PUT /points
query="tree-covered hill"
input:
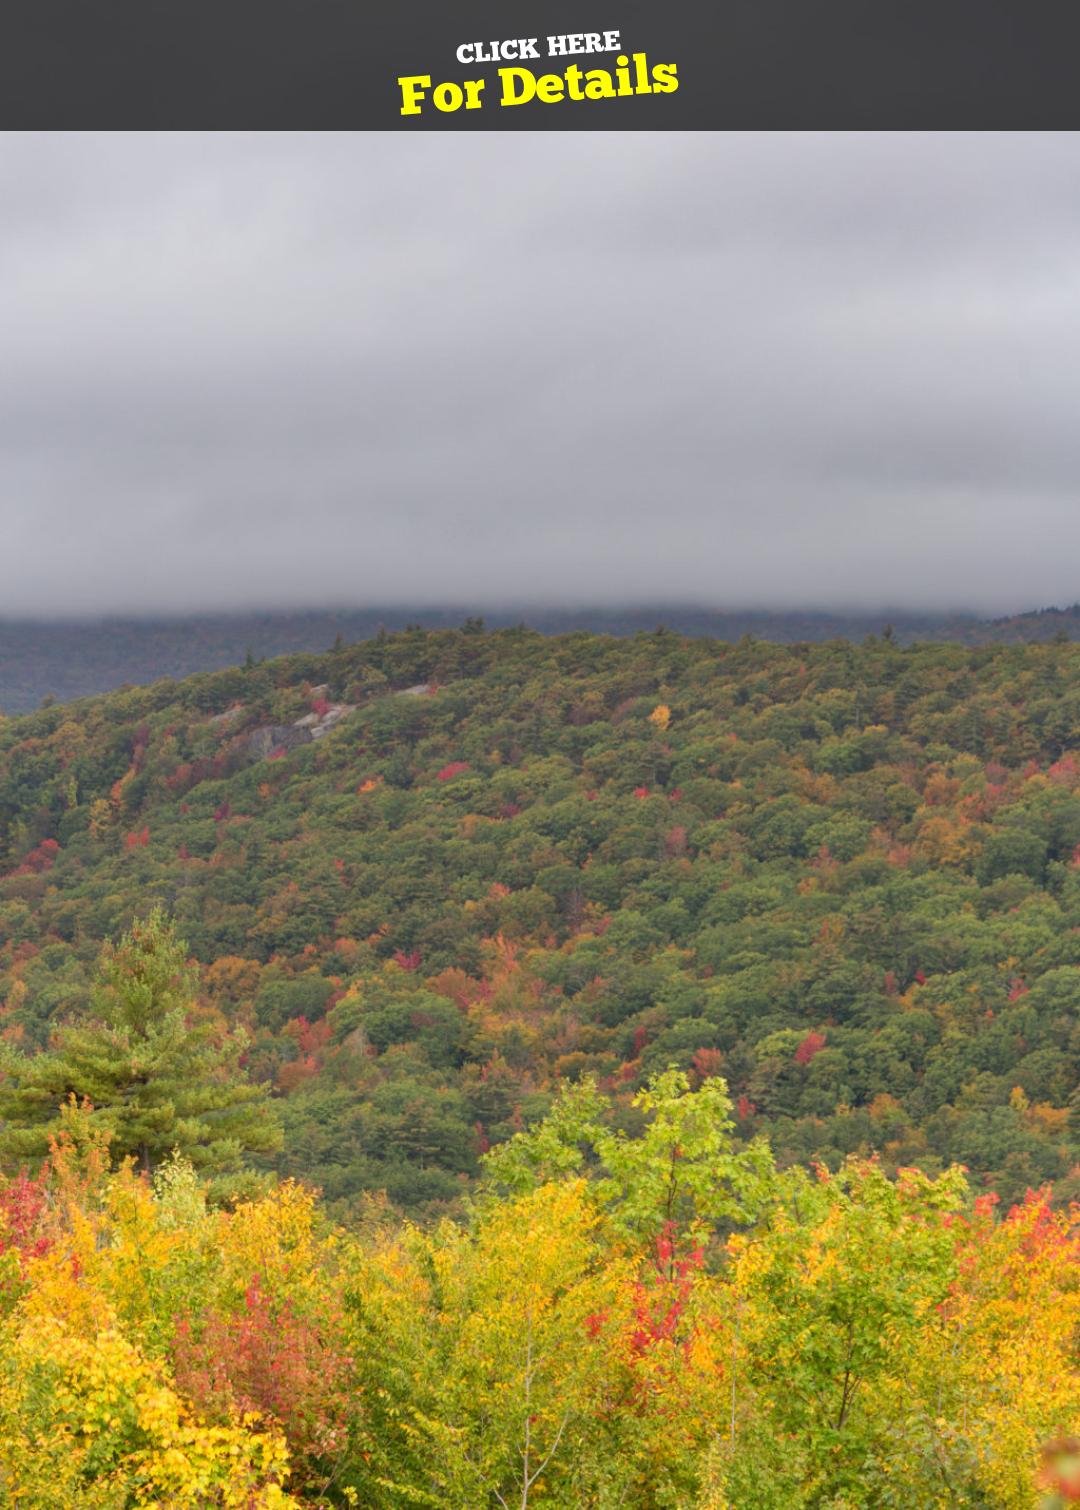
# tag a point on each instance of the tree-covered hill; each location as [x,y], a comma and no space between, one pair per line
[439,874]
[65,659]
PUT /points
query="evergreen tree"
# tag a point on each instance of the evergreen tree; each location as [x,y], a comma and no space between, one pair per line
[156,1080]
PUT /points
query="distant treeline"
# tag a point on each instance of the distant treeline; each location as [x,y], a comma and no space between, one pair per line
[66,659]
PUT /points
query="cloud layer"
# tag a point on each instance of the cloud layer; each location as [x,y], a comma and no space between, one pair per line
[300,370]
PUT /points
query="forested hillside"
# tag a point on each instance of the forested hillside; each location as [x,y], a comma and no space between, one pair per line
[632,1002]
[64,659]
[437,875]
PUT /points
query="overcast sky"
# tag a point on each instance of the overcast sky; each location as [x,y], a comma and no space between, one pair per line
[311,370]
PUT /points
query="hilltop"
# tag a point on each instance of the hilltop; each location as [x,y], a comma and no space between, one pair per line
[62,660]
[437,875]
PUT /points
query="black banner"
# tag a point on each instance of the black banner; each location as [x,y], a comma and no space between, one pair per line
[586,65]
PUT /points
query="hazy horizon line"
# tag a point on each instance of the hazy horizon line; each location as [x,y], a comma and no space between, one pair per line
[508,609]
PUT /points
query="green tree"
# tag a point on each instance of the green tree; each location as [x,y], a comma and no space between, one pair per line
[683,1170]
[156,1080]
[834,1295]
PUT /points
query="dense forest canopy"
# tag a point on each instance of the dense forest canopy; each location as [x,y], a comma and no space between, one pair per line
[660,1320]
[684,1036]
[436,875]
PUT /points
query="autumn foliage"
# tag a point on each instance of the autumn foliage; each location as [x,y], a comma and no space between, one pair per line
[661,1021]
[690,1326]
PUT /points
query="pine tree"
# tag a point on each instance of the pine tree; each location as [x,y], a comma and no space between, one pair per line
[156,1080]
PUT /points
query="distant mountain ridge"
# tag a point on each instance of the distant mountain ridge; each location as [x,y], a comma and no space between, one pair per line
[66,659]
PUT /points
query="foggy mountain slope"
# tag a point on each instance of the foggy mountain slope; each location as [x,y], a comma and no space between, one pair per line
[70,659]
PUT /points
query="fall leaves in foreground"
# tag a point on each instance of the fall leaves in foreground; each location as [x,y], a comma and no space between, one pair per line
[650,1317]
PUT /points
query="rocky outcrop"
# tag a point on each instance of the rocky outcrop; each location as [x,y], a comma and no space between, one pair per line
[271,737]
[321,723]
[261,743]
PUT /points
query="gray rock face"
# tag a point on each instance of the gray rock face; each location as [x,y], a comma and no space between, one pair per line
[263,742]
[332,716]
[228,717]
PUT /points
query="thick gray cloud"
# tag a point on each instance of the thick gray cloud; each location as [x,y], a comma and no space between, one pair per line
[288,370]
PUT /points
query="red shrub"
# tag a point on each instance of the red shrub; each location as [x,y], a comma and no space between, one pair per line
[41,858]
[268,1359]
[810,1047]
[22,1206]
[661,1300]
[1064,772]
[708,1062]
